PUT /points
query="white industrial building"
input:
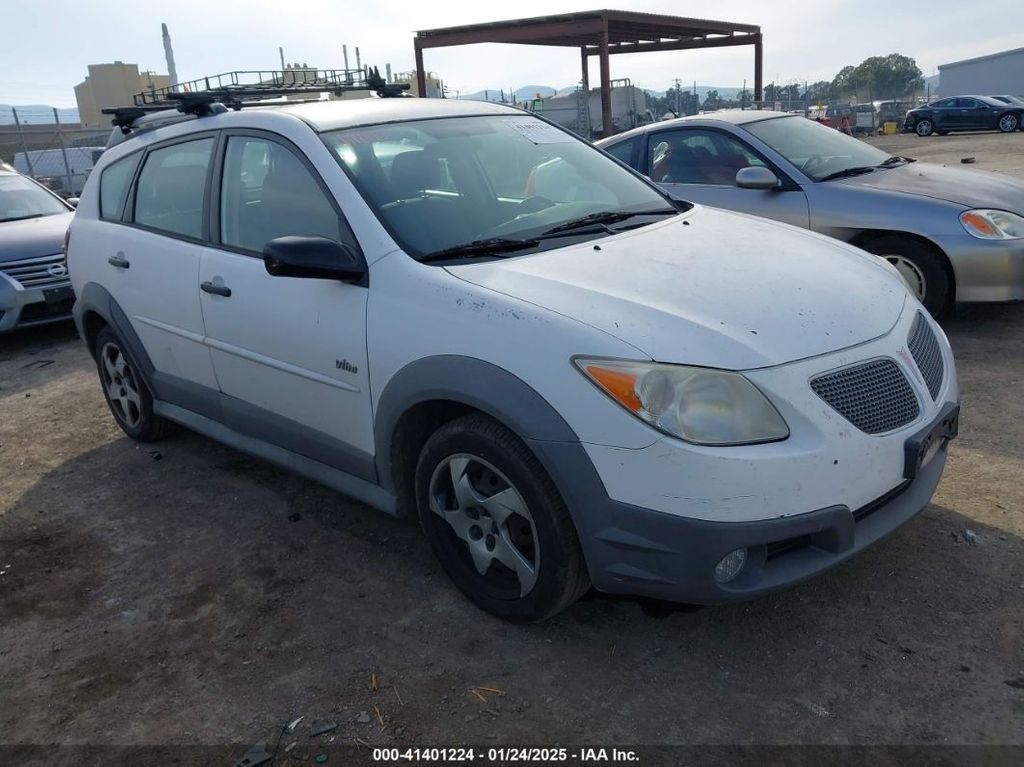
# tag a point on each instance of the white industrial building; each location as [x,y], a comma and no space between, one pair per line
[997,73]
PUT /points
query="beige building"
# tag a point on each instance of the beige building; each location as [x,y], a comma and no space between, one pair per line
[112,85]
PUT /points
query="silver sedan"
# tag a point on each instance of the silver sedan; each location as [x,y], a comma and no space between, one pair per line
[954,235]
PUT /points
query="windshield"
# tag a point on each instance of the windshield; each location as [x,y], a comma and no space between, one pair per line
[818,151]
[443,183]
[21,198]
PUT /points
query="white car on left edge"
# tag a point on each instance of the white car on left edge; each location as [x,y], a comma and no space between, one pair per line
[461,311]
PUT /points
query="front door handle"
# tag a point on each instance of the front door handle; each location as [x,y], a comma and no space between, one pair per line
[119,261]
[217,290]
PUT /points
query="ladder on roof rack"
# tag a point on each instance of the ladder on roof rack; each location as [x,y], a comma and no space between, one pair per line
[235,90]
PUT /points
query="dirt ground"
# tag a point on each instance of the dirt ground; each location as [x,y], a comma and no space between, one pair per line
[184,593]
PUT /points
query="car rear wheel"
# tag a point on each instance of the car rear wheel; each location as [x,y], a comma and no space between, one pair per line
[921,268]
[924,127]
[496,521]
[1008,122]
[125,392]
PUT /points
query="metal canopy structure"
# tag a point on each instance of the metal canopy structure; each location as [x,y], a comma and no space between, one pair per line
[600,33]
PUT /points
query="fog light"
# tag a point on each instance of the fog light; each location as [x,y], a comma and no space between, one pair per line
[730,565]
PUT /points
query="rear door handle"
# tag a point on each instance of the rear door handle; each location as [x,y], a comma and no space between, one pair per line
[217,290]
[119,261]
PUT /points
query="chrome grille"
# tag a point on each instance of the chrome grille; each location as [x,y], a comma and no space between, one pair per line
[924,348]
[32,272]
[874,396]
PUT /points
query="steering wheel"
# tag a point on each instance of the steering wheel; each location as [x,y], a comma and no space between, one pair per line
[533,204]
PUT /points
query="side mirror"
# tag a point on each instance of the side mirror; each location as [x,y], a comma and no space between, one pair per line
[72,201]
[757,177]
[314,257]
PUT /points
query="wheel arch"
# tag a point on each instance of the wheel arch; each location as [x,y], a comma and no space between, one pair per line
[95,309]
[429,392]
[863,238]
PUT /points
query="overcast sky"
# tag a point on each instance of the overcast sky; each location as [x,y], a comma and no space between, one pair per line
[46,44]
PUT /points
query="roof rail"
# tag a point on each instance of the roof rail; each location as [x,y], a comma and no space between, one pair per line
[236,90]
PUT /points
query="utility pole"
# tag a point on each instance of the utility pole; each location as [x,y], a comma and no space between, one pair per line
[679,93]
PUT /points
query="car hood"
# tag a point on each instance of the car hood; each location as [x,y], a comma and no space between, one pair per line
[710,288]
[972,189]
[33,237]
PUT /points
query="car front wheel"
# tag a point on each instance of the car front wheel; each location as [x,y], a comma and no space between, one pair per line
[496,521]
[924,127]
[921,268]
[1008,123]
[125,392]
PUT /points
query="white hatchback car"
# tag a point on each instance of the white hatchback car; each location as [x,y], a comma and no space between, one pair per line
[459,310]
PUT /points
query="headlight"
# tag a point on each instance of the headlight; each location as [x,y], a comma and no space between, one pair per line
[993,224]
[699,405]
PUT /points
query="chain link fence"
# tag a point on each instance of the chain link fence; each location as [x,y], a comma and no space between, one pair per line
[58,154]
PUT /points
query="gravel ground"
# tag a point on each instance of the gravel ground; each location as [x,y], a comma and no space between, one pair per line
[184,593]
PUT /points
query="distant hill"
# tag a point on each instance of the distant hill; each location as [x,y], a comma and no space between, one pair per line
[36,114]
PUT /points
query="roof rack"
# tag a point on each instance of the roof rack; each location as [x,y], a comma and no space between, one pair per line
[247,88]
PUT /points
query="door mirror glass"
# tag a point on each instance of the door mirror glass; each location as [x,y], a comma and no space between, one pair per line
[72,201]
[313,257]
[757,178]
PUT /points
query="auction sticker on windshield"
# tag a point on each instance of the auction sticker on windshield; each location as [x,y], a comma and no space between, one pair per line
[540,132]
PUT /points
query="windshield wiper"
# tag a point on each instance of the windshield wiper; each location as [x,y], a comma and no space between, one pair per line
[855,171]
[895,160]
[605,217]
[485,247]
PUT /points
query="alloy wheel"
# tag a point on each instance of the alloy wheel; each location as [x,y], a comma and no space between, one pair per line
[1008,123]
[121,385]
[911,274]
[923,128]
[487,514]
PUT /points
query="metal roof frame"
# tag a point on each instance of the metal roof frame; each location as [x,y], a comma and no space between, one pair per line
[601,33]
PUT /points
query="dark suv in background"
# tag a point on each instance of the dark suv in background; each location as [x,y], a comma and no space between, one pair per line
[962,113]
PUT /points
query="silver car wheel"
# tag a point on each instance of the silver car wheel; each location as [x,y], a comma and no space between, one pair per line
[121,386]
[911,274]
[923,128]
[487,513]
[1008,123]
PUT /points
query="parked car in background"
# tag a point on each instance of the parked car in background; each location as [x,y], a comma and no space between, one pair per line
[954,235]
[34,285]
[963,113]
[62,170]
[1016,101]
[569,377]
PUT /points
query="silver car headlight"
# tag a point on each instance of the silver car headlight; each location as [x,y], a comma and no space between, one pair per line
[699,405]
[993,224]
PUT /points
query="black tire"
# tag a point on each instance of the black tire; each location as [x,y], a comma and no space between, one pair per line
[137,419]
[561,577]
[931,264]
[1008,122]
[924,127]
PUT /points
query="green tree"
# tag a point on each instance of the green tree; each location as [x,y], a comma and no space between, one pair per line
[888,77]
[844,84]
[712,100]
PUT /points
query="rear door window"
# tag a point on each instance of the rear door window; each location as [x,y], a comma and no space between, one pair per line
[170,193]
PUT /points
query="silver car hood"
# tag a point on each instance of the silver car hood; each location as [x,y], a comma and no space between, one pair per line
[962,187]
[32,237]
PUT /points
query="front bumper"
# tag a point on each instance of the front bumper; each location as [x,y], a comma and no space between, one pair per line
[22,307]
[985,270]
[648,553]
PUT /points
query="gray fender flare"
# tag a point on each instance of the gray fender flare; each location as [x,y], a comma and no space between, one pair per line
[93,297]
[478,384]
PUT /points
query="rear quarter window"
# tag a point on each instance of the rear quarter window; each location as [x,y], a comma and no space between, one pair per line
[114,182]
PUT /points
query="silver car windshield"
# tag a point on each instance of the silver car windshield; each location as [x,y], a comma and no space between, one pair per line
[442,183]
[21,198]
[818,151]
